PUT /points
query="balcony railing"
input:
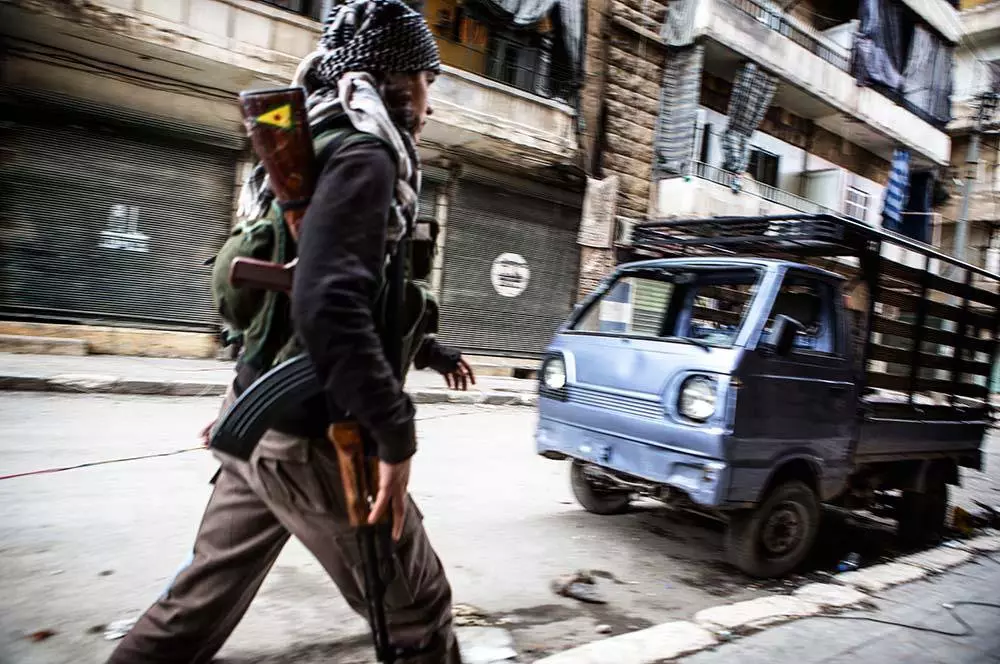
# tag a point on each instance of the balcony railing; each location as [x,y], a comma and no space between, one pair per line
[525,67]
[778,22]
[765,191]
[314,9]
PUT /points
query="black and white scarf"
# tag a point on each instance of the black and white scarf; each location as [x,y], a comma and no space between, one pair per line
[362,40]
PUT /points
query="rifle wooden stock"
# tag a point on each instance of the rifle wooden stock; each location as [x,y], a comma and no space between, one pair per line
[255,273]
[359,485]
[278,126]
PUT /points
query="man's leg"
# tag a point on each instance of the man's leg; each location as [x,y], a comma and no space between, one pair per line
[237,543]
[307,497]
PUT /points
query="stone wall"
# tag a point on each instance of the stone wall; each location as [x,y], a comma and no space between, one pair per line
[621,101]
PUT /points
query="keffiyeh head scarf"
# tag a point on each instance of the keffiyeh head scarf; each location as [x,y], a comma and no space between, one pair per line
[362,42]
[375,36]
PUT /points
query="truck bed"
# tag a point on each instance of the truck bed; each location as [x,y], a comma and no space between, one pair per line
[894,429]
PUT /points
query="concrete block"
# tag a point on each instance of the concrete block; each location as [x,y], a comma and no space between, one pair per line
[465,398]
[429,396]
[106,340]
[293,40]
[16,343]
[502,398]
[879,577]
[252,28]
[171,10]
[828,595]
[654,644]
[985,543]
[938,559]
[755,613]
[82,383]
[210,16]
[485,645]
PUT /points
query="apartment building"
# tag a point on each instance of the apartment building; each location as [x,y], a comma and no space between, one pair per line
[123,150]
[761,107]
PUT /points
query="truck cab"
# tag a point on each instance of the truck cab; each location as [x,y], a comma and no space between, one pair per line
[739,385]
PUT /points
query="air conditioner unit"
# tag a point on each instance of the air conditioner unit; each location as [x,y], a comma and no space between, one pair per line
[843,35]
[826,187]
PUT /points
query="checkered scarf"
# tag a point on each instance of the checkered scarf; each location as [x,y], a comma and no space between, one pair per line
[375,36]
[363,40]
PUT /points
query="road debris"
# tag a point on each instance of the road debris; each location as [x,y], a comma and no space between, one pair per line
[465,615]
[603,629]
[42,635]
[579,586]
[485,645]
[119,628]
[850,563]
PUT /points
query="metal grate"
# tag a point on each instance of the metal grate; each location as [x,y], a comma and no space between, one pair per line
[102,225]
[490,231]
[649,408]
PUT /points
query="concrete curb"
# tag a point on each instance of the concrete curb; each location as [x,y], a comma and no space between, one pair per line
[714,626]
[100,384]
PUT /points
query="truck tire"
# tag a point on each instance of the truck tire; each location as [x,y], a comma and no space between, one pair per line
[596,499]
[775,538]
[922,516]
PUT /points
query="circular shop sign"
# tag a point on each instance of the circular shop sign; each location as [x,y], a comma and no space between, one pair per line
[510,274]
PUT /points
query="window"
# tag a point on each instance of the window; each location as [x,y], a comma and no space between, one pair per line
[763,167]
[706,143]
[317,9]
[704,305]
[856,204]
[811,303]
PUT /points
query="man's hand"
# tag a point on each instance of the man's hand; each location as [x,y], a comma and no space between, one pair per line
[460,377]
[206,433]
[393,479]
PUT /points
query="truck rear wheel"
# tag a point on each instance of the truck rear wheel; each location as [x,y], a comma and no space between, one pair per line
[593,496]
[775,538]
[922,516]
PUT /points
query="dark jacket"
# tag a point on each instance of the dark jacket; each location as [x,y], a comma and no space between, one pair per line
[341,259]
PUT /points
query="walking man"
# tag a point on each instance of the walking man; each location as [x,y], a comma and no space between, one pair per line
[368,102]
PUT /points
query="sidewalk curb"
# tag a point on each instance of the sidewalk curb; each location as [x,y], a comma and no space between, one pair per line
[715,626]
[100,384]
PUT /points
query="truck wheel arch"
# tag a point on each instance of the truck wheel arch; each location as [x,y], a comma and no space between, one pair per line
[803,468]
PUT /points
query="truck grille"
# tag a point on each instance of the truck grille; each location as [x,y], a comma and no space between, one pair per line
[649,408]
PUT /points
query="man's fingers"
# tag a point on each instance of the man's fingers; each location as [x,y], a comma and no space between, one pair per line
[381,505]
[398,516]
[468,370]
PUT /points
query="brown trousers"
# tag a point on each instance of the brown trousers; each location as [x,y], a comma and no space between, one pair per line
[289,487]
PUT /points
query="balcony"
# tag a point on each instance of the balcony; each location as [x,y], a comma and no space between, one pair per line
[708,192]
[815,78]
[158,60]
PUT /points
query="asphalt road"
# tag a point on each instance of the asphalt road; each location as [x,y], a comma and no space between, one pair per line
[85,547]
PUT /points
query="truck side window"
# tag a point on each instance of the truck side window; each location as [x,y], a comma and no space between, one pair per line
[811,303]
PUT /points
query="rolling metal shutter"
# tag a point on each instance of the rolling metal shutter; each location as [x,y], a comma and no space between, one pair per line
[537,236]
[101,225]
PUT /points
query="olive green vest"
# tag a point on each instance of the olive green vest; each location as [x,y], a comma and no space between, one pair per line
[263,318]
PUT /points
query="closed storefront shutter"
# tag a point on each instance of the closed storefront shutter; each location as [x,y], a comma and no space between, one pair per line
[510,270]
[101,225]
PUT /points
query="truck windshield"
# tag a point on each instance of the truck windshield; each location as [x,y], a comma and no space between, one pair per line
[700,305]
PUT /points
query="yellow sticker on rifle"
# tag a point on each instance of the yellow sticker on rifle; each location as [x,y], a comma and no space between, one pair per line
[280,117]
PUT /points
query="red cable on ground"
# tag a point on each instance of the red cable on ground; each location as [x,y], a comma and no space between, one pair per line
[100,463]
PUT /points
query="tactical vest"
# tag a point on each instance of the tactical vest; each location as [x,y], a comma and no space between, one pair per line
[263,318]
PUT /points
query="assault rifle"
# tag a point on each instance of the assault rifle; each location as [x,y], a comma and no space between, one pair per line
[278,126]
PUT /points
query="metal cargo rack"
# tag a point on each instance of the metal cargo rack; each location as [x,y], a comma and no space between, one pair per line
[933,320]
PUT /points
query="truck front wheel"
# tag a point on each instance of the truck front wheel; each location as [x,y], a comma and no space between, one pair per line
[775,538]
[593,496]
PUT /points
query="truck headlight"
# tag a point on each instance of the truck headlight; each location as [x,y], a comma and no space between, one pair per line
[554,373]
[698,398]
